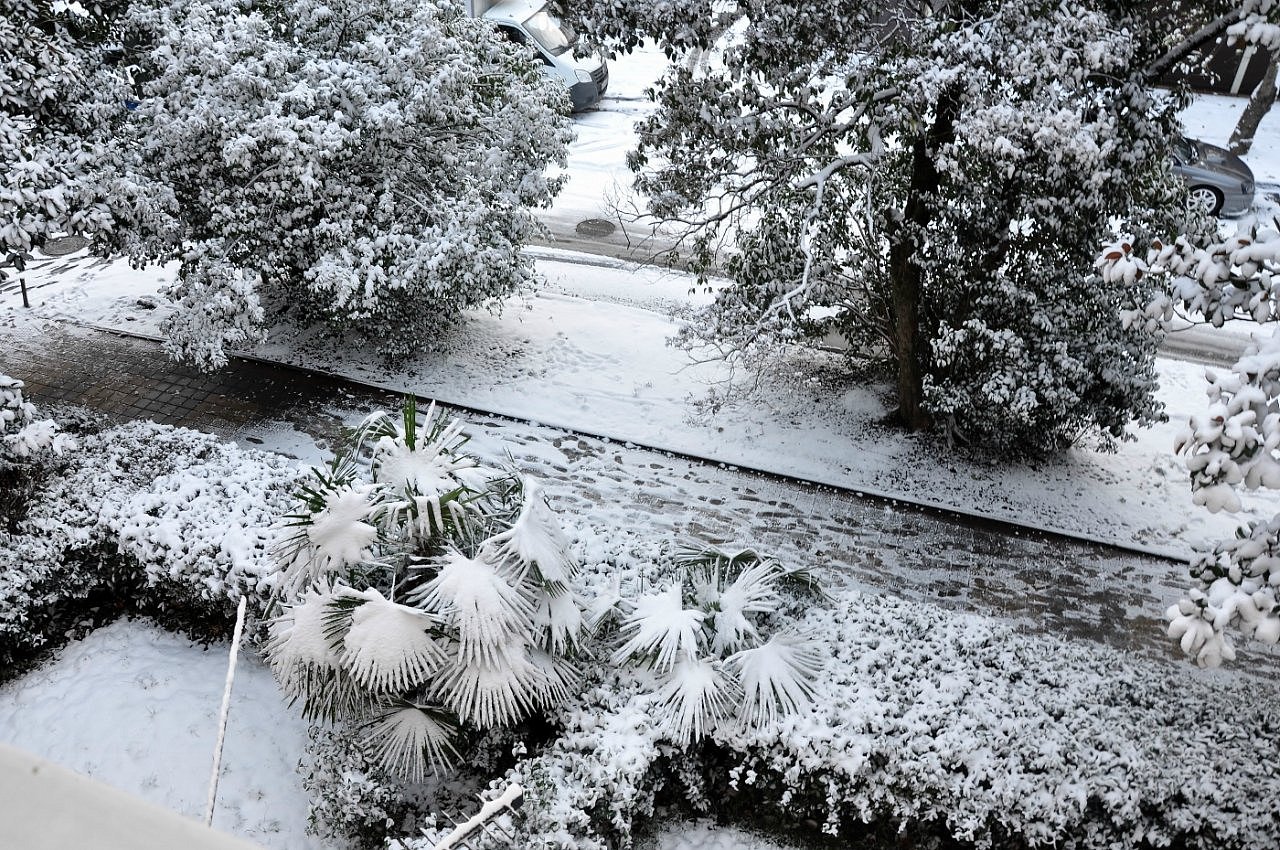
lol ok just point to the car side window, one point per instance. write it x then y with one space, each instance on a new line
516 36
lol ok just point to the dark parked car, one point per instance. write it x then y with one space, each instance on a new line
1218 181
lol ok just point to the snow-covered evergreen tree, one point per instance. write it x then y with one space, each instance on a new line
59 100
369 164
931 180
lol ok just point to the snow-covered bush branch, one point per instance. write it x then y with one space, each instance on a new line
372 165
1237 440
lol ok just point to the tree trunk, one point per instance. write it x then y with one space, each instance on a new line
906 279
1264 95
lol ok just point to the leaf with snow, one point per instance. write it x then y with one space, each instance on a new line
659 628
535 541
409 739
777 678
388 646
473 597
697 693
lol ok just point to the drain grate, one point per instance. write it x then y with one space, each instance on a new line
595 227
60 246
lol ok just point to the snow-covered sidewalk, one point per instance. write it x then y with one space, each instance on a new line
590 353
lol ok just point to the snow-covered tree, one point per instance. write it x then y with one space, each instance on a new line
423 593
59 100
372 165
929 179
1237 441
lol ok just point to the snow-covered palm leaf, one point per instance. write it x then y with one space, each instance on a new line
428 516
388 646
733 560
558 621
696 693
606 607
535 541
471 596
408 739
425 460
659 627
297 640
492 694
754 591
302 649
558 677
337 536
777 677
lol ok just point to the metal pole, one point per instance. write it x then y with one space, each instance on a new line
226 707
22 282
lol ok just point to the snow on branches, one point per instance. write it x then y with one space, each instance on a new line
372 165
22 435
1237 440
865 160
58 102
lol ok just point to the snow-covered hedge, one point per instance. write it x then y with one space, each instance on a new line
941 724
141 517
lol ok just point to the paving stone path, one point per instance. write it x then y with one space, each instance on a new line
1080 590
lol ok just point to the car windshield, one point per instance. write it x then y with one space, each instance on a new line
553 34
1184 150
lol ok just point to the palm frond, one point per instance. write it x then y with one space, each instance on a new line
303 651
777 678
297 640
697 693
388 647
558 677
326 542
535 541
752 592
705 555
489 694
558 621
606 607
659 627
408 739
473 598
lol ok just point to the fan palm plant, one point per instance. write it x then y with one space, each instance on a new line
703 635
423 593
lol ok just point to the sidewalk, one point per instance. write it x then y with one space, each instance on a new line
1078 590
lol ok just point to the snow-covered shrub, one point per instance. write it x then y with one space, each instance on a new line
371 164
351 797
424 594
946 727
142 518
28 449
1236 442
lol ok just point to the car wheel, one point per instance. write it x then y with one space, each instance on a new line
1205 199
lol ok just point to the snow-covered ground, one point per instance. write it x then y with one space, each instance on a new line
136 707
